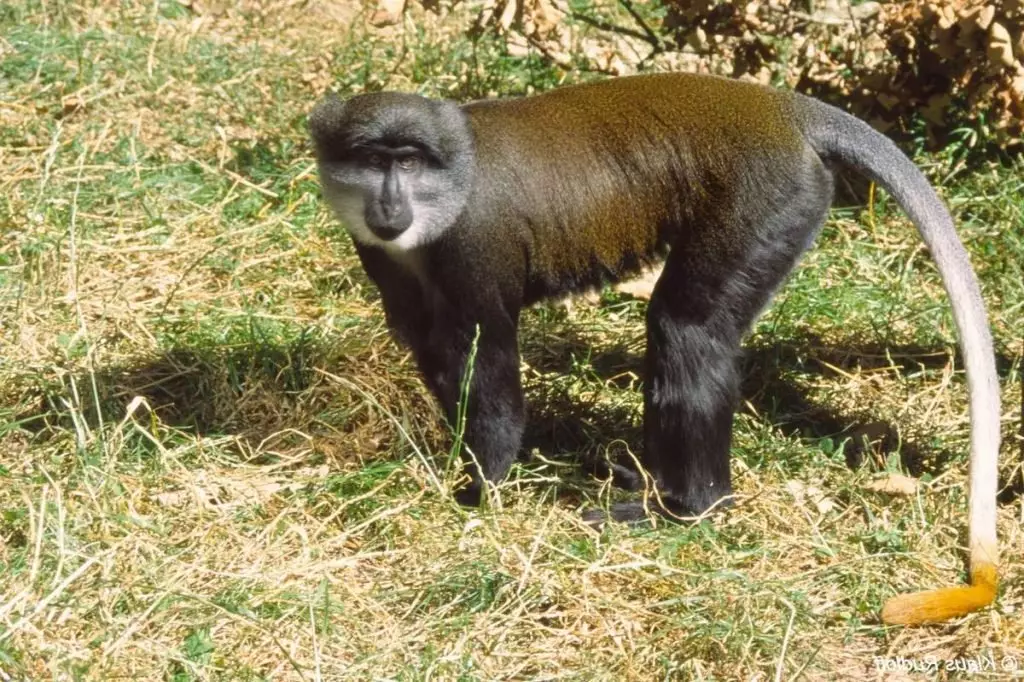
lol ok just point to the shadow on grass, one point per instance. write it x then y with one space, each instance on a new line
559 424
255 391
262 389
205 391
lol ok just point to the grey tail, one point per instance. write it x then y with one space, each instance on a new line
836 136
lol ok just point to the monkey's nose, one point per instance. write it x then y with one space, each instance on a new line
391 209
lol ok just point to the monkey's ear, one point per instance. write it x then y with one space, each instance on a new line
456 134
448 109
327 119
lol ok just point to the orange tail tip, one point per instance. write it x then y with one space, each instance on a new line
949 602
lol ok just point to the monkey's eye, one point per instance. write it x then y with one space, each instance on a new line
409 163
374 160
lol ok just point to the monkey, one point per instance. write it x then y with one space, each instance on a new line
461 215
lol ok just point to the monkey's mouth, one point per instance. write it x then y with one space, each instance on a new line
387 222
389 231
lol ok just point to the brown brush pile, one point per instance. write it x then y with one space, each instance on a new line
951 64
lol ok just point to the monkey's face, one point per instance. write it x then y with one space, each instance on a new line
388 195
396 168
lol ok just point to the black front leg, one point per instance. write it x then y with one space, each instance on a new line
493 413
441 333
405 303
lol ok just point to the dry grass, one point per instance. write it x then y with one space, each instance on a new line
214 464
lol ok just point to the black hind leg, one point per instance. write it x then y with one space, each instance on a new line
688 408
702 306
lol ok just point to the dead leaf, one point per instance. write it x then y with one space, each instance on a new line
894 484
387 13
804 494
999 46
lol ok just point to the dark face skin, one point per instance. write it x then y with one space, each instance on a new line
392 173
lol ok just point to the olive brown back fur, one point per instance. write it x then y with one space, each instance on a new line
666 143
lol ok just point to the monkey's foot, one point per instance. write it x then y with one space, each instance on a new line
623 476
469 496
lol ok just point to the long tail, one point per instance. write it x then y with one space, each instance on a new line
835 135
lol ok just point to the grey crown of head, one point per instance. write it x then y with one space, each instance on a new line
438 127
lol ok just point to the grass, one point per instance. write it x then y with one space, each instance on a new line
215 464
